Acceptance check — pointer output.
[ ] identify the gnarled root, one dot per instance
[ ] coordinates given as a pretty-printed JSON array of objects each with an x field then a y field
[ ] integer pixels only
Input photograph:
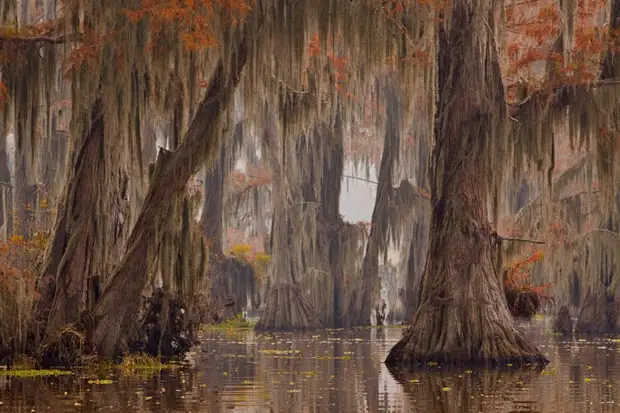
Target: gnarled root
[
  {"x": 68, "y": 347},
  {"x": 287, "y": 310},
  {"x": 476, "y": 335}
]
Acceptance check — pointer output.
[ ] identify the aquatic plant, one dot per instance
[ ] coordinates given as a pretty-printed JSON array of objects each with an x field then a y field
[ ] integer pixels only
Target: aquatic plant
[
  {"x": 31, "y": 373},
  {"x": 238, "y": 322}
]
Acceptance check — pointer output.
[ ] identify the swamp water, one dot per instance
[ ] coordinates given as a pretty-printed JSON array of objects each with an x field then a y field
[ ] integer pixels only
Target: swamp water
[{"x": 332, "y": 371}]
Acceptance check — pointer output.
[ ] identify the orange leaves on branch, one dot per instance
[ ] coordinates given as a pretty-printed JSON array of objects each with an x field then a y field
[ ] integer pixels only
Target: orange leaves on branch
[
  {"x": 518, "y": 276},
  {"x": 194, "y": 18},
  {"x": 330, "y": 61},
  {"x": 87, "y": 52}
]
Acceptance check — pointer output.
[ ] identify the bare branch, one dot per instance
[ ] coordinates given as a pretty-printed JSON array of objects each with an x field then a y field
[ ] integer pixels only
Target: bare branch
[
  {"x": 37, "y": 39},
  {"x": 360, "y": 179},
  {"x": 531, "y": 241}
]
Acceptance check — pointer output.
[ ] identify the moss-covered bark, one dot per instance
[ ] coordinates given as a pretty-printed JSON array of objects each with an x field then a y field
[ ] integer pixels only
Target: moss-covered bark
[
  {"x": 380, "y": 220},
  {"x": 86, "y": 242},
  {"x": 463, "y": 317},
  {"x": 120, "y": 300},
  {"x": 287, "y": 306}
]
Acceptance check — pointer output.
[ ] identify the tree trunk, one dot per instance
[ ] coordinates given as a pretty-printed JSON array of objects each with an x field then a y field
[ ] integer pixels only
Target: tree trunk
[
  {"x": 120, "y": 300},
  {"x": 377, "y": 241},
  {"x": 417, "y": 255},
  {"x": 286, "y": 308},
  {"x": 213, "y": 209},
  {"x": 332, "y": 222},
  {"x": 88, "y": 233},
  {"x": 463, "y": 317},
  {"x": 24, "y": 194},
  {"x": 608, "y": 143},
  {"x": 6, "y": 218}
]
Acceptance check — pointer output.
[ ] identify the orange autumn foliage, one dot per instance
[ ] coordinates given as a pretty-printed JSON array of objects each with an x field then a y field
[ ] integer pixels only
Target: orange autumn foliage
[
  {"x": 533, "y": 26},
  {"x": 194, "y": 18},
  {"x": 518, "y": 276},
  {"x": 19, "y": 259}
]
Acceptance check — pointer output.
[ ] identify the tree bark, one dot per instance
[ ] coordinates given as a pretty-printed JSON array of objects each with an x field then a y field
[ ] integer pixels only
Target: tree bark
[
  {"x": 607, "y": 144},
  {"x": 463, "y": 317},
  {"x": 287, "y": 308},
  {"x": 332, "y": 222},
  {"x": 120, "y": 300},
  {"x": 415, "y": 262},
  {"x": 6, "y": 218},
  {"x": 213, "y": 209},
  {"x": 88, "y": 234},
  {"x": 377, "y": 240}
]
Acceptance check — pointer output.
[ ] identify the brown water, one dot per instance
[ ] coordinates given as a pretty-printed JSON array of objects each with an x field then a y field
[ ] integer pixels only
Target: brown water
[{"x": 333, "y": 371}]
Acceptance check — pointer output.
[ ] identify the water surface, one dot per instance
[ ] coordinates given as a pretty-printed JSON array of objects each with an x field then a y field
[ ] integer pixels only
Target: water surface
[{"x": 333, "y": 371}]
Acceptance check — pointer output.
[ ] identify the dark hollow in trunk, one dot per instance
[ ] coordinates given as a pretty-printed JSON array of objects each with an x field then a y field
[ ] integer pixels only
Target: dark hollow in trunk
[{"x": 463, "y": 317}]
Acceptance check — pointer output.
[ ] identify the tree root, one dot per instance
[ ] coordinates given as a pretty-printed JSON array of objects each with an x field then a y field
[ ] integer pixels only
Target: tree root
[
  {"x": 471, "y": 336},
  {"x": 287, "y": 310},
  {"x": 68, "y": 347}
]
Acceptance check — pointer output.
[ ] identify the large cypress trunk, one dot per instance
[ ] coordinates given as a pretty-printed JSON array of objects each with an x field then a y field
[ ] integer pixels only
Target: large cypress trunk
[
  {"x": 463, "y": 317},
  {"x": 120, "y": 300},
  {"x": 88, "y": 234}
]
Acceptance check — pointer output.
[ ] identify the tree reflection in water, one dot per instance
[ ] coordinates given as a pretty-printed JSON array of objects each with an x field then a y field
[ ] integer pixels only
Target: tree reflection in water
[
  {"x": 331, "y": 371},
  {"x": 465, "y": 391}
]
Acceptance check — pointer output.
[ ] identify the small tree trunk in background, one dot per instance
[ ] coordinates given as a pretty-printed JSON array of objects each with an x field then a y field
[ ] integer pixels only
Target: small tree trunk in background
[
  {"x": 331, "y": 220},
  {"x": 463, "y": 317},
  {"x": 24, "y": 194},
  {"x": 120, "y": 300},
  {"x": 6, "y": 218},
  {"x": 377, "y": 241},
  {"x": 286, "y": 307},
  {"x": 232, "y": 279},
  {"x": 417, "y": 256},
  {"x": 213, "y": 209}
]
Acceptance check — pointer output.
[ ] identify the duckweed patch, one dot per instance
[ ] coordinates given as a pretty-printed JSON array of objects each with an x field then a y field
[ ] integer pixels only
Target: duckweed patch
[
  {"x": 238, "y": 322},
  {"x": 33, "y": 373},
  {"x": 143, "y": 362}
]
